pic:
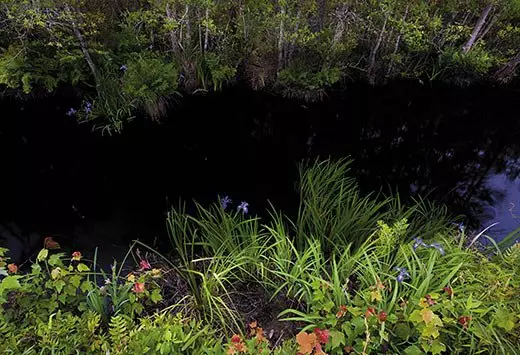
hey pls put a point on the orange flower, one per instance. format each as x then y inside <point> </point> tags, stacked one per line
<point>49,243</point>
<point>253,324</point>
<point>464,321</point>
<point>319,350</point>
<point>236,338</point>
<point>76,256</point>
<point>342,311</point>
<point>370,312</point>
<point>138,287</point>
<point>260,335</point>
<point>13,269</point>
<point>306,341</point>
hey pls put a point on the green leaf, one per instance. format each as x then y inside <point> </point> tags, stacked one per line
<point>336,339</point>
<point>75,280</point>
<point>416,317</point>
<point>156,295</point>
<point>413,350</point>
<point>55,259</point>
<point>82,267</point>
<point>10,283</point>
<point>437,347</point>
<point>59,284</point>
<point>42,255</point>
<point>505,319</point>
<point>402,331</point>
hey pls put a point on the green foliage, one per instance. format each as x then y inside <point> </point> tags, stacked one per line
<point>369,291</point>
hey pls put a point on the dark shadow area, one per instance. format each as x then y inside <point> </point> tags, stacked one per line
<point>59,178</point>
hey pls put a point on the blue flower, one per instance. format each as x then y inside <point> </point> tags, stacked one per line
<point>438,247</point>
<point>88,107</point>
<point>244,207</point>
<point>462,227</point>
<point>71,112</point>
<point>418,242</point>
<point>403,274</point>
<point>224,202</point>
<point>123,68</point>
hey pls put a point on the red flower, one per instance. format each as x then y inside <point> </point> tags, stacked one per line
<point>49,243</point>
<point>429,299</point>
<point>370,312</point>
<point>76,256</point>
<point>448,290</point>
<point>382,316</point>
<point>145,265</point>
<point>13,269</point>
<point>322,335</point>
<point>138,287</point>
<point>236,338</point>
<point>342,311</point>
<point>464,321</point>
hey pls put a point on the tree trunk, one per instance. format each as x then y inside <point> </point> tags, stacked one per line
<point>173,38</point>
<point>397,42</point>
<point>507,72</point>
<point>84,48</point>
<point>206,33</point>
<point>373,53</point>
<point>281,40</point>
<point>476,30</point>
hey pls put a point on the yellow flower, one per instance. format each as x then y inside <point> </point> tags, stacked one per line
<point>156,273</point>
<point>56,273</point>
<point>131,277</point>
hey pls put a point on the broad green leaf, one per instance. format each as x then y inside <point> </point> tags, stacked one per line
<point>413,350</point>
<point>55,259</point>
<point>10,283</point>
<point>505,319</point>
<point>156,295</point>
<point>82,267</point>
<point>336,339</point>
<point>59,284</point>
<point>42,255</point>
<point>437,347</point>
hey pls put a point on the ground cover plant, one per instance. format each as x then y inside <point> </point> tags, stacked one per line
<point>350,274</point>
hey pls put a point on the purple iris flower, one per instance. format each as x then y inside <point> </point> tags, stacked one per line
<point>244,207</point>
<point>224,202</point>
<point>438,247</point>
<point>403,274</point>
<point>88,107</point>
<point>418,242</point>
<point>71,112</point>
<point>123,68</point>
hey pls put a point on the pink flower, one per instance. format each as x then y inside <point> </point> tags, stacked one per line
<point>322,335</point>
<point>76,256</point>
<point>138,287</point>
<point>13,269</point>
<point>145,265</point>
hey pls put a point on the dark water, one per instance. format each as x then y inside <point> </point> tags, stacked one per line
<point>459,146</point>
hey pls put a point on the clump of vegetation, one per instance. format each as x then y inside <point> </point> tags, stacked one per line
<point>351,274</point>
<point>297,47</point>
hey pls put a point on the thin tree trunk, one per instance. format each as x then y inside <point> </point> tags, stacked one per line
<point>280,39</point>
<point>84,48</point>
<point>476,30</point>
<point>188,26</point>
<point>508,70</point>
<point>340,26</point>
<point>372,60</point>
<point>292,46</point>
<point>173,38</point>
<point>206,33</point>
<point>397,42</point>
